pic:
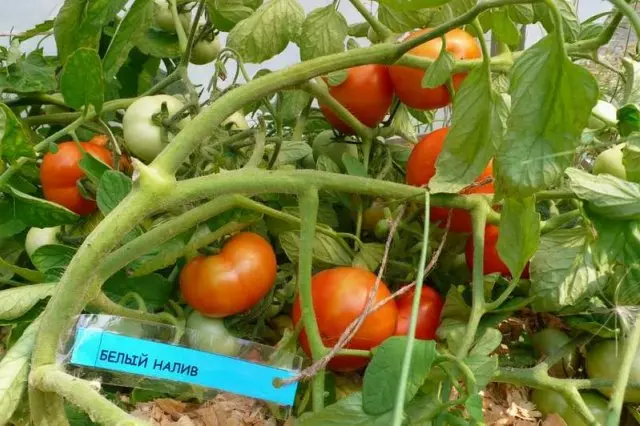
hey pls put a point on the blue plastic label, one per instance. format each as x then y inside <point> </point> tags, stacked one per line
<point>101,349</point>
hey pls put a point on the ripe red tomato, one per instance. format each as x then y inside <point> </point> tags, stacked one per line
<point>60,172</point>
<point>421,167</point>
<point>407,81</point>
<point>233,280</point>
<point>492,262</point>
<point>339,296</point>
<point>366,93</point>
<point>428,315</point>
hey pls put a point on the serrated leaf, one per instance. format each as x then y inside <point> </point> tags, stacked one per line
<point>14,372</point>
<point>552,99</point>
<point>504,28</point>
<point>262,35</point>
<point>114,186</point>
<point>519,236</point>
<point>382,376</point>
<point>31,74</point>
<point>474,137</point>
<point>522,13</point>
<point>323,33</point>
<point>399,20</point>
<point>82,81</point>
<point>39,29</point>
<point>336,78</point>
<point>369,256</point>
<point>134,24</point>
<point>50,257</point>
<point>40,213</point>
<point>326,250</point>
<point>440,71</point>
<point>225,14</point>
<point>15,302</point>
<point>15,140</point>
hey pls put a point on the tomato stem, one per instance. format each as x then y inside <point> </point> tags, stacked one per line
<point>383,32</point>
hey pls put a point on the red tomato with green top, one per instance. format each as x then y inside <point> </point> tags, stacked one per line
<point>60,172</point>
<point>428,313</point>
<point>421,168</point>
<point>233,280</point>
<point>407,81</point>
<point>339,297</point>
<point>366,93</point>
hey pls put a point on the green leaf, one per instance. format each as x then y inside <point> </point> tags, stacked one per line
<point>628,119</point>
<point>587,323</point>
<point>81,81</point>
<point>40,213</point>
<point>39,29</point>
<point>382,376</point>
<point>14,372</point>
<point>154,289</point>
<point>617,256</point>
<point>136,21</point>
<point>225,14</point>
<point>15,140</point>
<point>31,74</point>
<point>632,82</point>
<point>114,186</point>
<point>369,257</point>
<point>93,168</point>
<point>79,24</point>
<point>570,20</point>
<point>631,159</point>
<point>262,35</point>
<point>326,214</point>
<point>324,163</point>
<point>606,195</point>
<point>159,44</point>
<point>504,28</point>
<point>552,99</point>
<point>563,270</point>
<point>9,224</point>
<point>323,33</point>
<point>138,73</point>
<point>293,151</point>
<point>487,342</point>
<point>54,256</point>
<point>521,13</point>
<point>411,5</point>
<point>291,103</point>
<point>358,30</point>
<point>326,250</point>
<point>10,251</point>
<point>483,368</point>
<point>336,78</point>
<point>400,20</point>
<point>346,411</point>
<point>476,133</point>
<point>455,305</point>
<point>438,73</point>
<point>519,236</point>
<point>353,166</point>
<point>76,416</point>
<point>401,125</point>
<point>452,331</point>
<point>15,302</point>
<point>473,404</point>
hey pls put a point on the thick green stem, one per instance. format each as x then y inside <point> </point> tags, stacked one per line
<point>377,26</point>
<point>478,308</point>
<point>630,12</point>
<point>309,203</point>
<point>258,148</point>
<point>108,306</point>
<point>556,222</point>
<point>557,24</point>
<point>620,386</point>
<point>398,411</point>
<point>83,394</point>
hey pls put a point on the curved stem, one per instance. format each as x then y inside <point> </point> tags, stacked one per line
<point>309,203</point>
<point>108,306</point>
<point>630,12</point>
<point>182,36</point>
<point>505,294</point>
<point>398,411</point>
<point>377,26</point>
<point>556,222</point>
<point>258,148</point>
<point>469,378</point>
<point>557,24</point>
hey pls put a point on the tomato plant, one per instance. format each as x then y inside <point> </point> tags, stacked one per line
<point>407,81</point>
<point>492,263</point>
<point>38,237</point>
<point>339,296</point>
<point>549,340</point>
<point>610,162</point>
<point>205,51</point>
<point>549,402</point>
<point>60,173</point>
<point>603,362</point>
<point>233,280</point>
<point>210,334</point>
<point>366,93</point>
<point>428,315</point>
<point>326,144</point>
<point>421,167</point>
<point>163,19</point>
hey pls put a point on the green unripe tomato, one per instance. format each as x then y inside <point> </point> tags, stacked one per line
<point>610,162</point>
<point>549,340</point>
<point>163,18</point>
<point>324,144</point>
<point>549,402</point>
<point>210,334</point>
<point>238,121</point>
<point>205,51</point>
<point>605,110</point>
<point>38,237</point>
<point>603,362</point>
<point>142,136</point>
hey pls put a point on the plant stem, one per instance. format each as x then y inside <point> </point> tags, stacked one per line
<point>182,36</point>
<point>630,12</point>
<point>619,388</point>
<point>557,24</point>
<point>505,294</point>
<point>108,306</point>
<point>464,369</point>
<point>309,203</point>
<point>83,394</point>
<point>478,308</point>
<point>556,222</point>
<point>258,148</point>
<point>398,411</point>
<point>355,352</point>
<point>377,26</point>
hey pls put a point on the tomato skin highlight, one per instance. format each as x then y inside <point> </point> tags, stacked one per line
<point>603,362</point>
<point>232,281</point>
<point>60,172</point>
<point>421,168</point>
<point>428,314</point>
<point>367,93</point>
<point>407,81</point>
<point>339,296</point>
